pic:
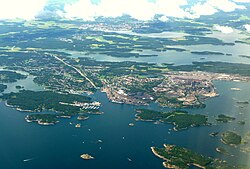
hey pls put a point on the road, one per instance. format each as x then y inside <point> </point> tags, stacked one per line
<point>73,67</point>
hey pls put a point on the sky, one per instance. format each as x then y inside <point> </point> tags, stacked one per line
<point>138,9</point>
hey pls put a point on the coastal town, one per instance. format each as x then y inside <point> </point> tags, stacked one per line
<point>174,89</point>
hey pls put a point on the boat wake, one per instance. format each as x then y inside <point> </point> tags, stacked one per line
<point>29,159</point>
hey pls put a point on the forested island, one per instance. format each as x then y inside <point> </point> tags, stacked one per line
<point>231,138</point>
<point>180,119</point>
<point>66,105</point>
<point>225,119</point>
<point>181,158</point>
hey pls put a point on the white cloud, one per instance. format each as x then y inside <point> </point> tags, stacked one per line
<point>138,9</point>
<point>247,27</point>
<point>163,19</point>
<point>85,9</point>
<point>225,5</point>
<point>22,9</point>
<point>242,1</point>
<point>211,7</point>
<point>224,29</point>
<point>171,8</point>
<point>145,10</point>
<point>82,9</point>
<point>203,9</point>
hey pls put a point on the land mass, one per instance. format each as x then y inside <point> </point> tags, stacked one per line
<point>225,119</point>
<point>207,53</point>
<point>181,158</point>
<point>66,105</point>
<point>180,119</point>
<point>231,138</point>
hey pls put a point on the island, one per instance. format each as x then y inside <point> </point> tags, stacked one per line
<point>225,119</point>
<point>19,87</point>
<point>214,134</point>
<point>78,125</point>
<point>131,124</point>
<point>42,119</point>
<point>176,157</point>
<point>82,117</point>
<point>244,56</point>
<point>241,122</point>
<point>207,53</point>
<point>180,119</point>
<point>2,87</point>
<point>86,157</point>
<point>65,105</point>
<point>222,151</point>
<point>231,138</point>
<point>242,102</point>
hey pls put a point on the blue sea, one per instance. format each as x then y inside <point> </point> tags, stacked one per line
<point>110,139</point>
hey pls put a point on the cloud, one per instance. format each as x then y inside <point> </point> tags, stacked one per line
<point>224,29</point>
<point>242,1</point>
<point>147,10</point>
<point>172,8</point>
<point>225,5</point>
<point>211,7</point>
<point>22,9</point>
<point>163,19</point>
<point>203,9</point>
<point>247,27</point>
<point>139,9</point>
<point>84,9</point>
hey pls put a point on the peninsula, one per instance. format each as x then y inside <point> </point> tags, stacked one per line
<point>66,105</point>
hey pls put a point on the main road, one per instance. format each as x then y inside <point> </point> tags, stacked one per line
<point>73,67</point>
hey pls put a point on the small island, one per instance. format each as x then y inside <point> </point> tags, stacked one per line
<point>224,119</point>
<point>242,102</point>
<point>207,53</point>
<point>42,119</point>
<point>82,117</point>
<point>176,157</point>
<point>241,122</point>
<point>131,124</point>
<point>222,151</point>
<point>78,125</point>
<point>244,56</point>
<point>87,157</point>
<point>214,134</point>
<point>19,87</point>
<point>180,119</point>
<point>231,138</point>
